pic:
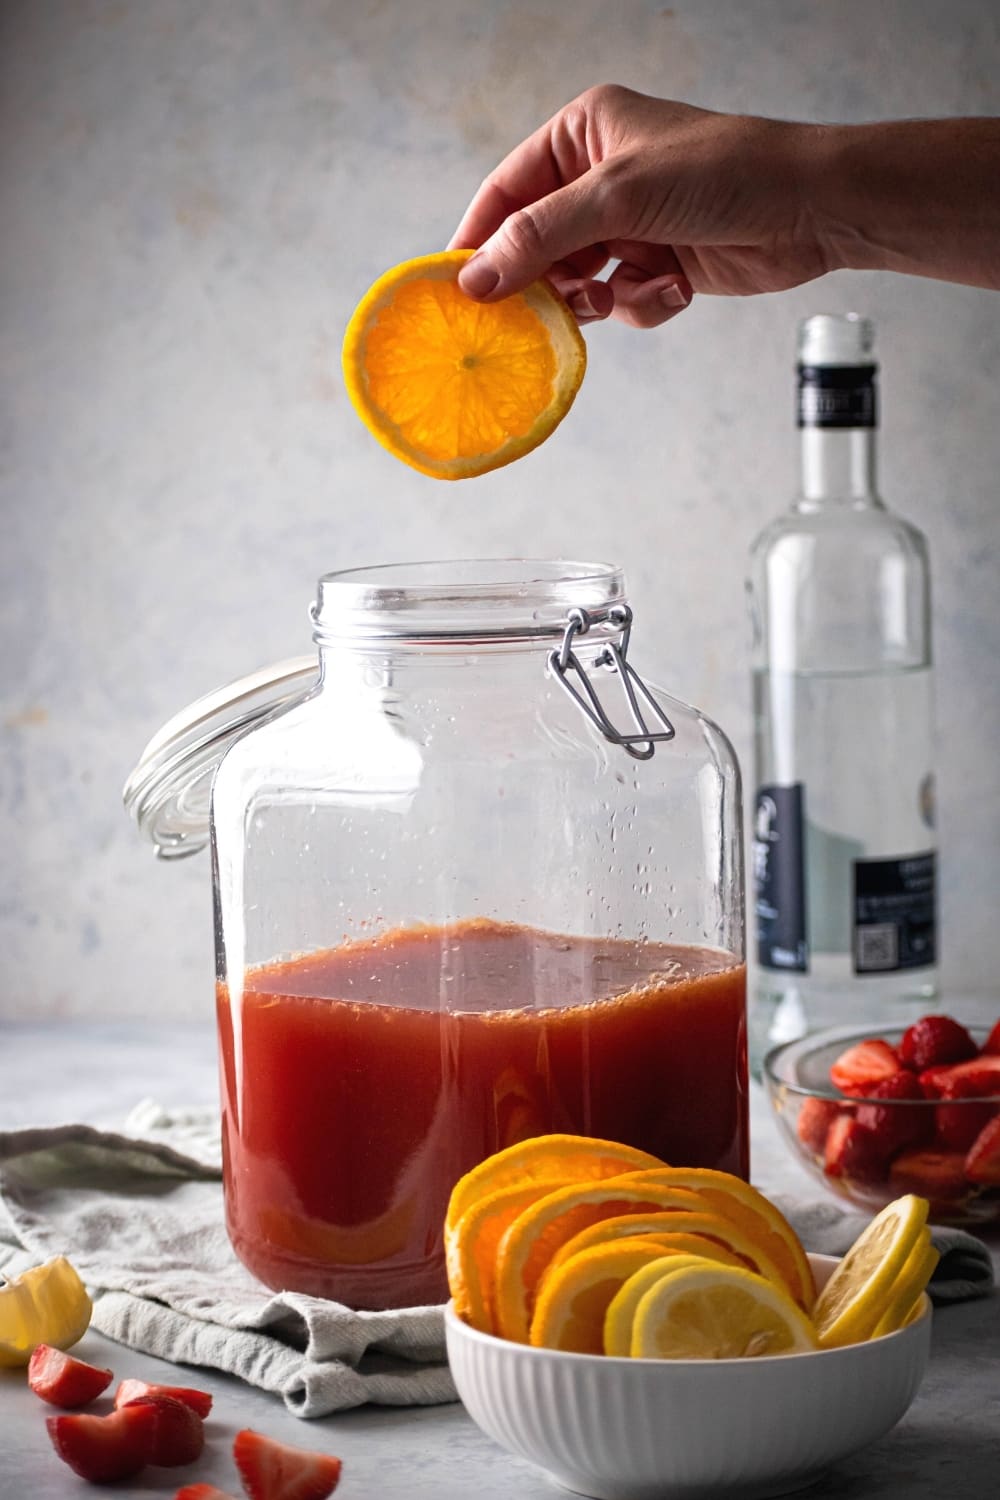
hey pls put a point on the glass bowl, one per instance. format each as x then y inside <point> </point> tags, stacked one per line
<point>869,1151</point>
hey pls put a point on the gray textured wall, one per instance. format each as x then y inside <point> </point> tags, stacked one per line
<point>194,195</point>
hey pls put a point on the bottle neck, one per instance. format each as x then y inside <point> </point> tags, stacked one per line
<point>838,467</point>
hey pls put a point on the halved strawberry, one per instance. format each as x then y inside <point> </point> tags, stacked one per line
<point>64,1381</point>
<point>202,1492</point>
<point>933,1040</point>
<point>895,1125</point>
<point>852,1151</point>
<point>936,1175</point>
<point>275,1471</point>
<point>104,1448</point>
<point>991,1046</point>
<point>982,1163</point>
<point>862,1066</point>
<point>178,1432</point>
<point>814,1121</point>
<point>131,1390</point>
<point>979,1078</point>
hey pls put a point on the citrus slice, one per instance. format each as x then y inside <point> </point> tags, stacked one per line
<point>704,1230</point>
<point>46,1305</point>
<point>717,1312</point>
<point>544,1158</point>
<point>749,1210</point>
<point>574,1297</point>
<point>455,387</point>
<point>619,1317</point>
<point>907,1292</point>
<point>471,1249</point>
<point>849,1307</point>
<point>539,1231</point>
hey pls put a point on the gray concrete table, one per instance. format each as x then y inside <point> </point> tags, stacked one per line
<point>948,1443</point>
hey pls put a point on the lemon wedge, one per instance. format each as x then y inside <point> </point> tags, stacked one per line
<point>46,1305</point>
<point>859,1292</point>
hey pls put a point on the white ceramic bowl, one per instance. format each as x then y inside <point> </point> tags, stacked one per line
<point>651,1429</point>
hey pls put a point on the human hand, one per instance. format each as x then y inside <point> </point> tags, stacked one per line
<point>684,199</point>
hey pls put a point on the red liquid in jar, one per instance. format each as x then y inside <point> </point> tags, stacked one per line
<point>360,1082</point>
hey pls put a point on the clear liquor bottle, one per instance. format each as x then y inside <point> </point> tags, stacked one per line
<point>843,843</point>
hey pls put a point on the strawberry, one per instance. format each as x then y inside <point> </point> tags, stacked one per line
<point>64,1381</point>
<point>982,1164</point>
<point>201,1492</point>
<point>893,1124</point>
<point>933,1040</point>
<point>178,1434</point>
<point>857,1070</point>
<point>958,1125</point>
<point>130,1390</point>
<point>936,1175</point>
<point>991,1046</point>
<point>104,1448</point>
<point>979,1078</point>
<point>275,1471</point>
<point>852,1151</point>
<point>814,1121</point>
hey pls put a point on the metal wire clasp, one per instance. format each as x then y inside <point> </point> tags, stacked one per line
<point>642,744</point>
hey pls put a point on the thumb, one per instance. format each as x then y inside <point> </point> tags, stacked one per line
<point>531,240</point>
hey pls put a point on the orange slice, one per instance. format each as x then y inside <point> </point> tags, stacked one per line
<point>749,1210</point>
<point>619,1315</point>
<point>574,1296</point>
<point>455,387</point>
<point>704,1230</point>
<point>471,1249</point>
<point>544,1158</point>
<point>540,1230</point>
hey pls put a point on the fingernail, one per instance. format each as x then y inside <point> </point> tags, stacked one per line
<point>673,297</point>
<point>582,305</point>
<point>477,277</point>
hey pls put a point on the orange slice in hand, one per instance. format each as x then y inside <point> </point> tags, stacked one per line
<point>762,1223</point>
<point>543,1228</point>
<point>455,387</point>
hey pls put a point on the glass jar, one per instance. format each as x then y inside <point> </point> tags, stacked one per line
<point>453,910</point>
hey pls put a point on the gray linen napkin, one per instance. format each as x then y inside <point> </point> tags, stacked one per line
<point>140,1215</point>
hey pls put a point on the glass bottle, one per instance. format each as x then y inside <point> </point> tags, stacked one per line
<point>452,913</point>
<point>843,844</point>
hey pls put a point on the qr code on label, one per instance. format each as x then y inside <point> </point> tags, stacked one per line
<point>876,947</point>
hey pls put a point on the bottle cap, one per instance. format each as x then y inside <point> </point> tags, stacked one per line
<point>836,339</point>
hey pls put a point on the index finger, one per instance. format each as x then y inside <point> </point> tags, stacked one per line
<point>549,159</point>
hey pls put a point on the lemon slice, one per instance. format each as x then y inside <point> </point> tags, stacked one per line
<point>455,387</point>
<point>717,1312</point>
<point>619,1319</point>
<point>907,1292</point>
<point>849,1307</point>
<point>46,1305</point>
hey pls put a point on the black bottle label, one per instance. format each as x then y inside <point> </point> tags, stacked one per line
<point>837,396</point>
<point>895,923</point>
<point>779,878</point>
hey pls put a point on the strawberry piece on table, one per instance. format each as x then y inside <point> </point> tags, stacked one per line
<point>202,1492</point>
<point>64,1381</point>
<point>893,1124</point>
<point>276,1471</point>
<point>102,1449</point>
<point>862,1066</point>
<point>131,1390</point>
<point>814,1121</point>
<point>982,1164</point>
<point>936,1175</point>
<point>991,1046</point>
<point>933,1040</point>
<point>178,1432</point>
<point>852,1151</point>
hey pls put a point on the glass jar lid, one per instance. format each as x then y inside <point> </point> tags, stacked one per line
<point>169,792</point>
